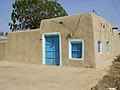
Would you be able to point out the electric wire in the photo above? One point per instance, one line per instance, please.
(77, 24)
(116, 7)
(66, 26)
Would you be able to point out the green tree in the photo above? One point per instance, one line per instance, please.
(27, 14)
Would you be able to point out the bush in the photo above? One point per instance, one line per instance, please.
(117, 59)
(112, 79)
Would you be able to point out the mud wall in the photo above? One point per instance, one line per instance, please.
(2, 50)
(24, 46)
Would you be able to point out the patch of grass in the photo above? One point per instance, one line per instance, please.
(112, 79)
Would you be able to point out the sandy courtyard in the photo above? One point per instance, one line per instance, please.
(20, 76)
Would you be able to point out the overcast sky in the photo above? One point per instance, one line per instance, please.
(104, 8)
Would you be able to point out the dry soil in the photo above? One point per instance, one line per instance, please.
(21, 76)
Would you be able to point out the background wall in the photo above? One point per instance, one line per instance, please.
(2, 50)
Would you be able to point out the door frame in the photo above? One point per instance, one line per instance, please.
(44, 46)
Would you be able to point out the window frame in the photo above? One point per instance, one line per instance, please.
(100, 46)
(70, 48)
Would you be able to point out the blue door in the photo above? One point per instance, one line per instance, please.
(52, 50)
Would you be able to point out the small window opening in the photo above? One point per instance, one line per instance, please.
(99, 47)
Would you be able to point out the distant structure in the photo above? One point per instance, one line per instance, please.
(1, 33)
(2, 36)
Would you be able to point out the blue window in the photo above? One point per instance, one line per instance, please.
(107, 46)
(99, 46)
(76, 49)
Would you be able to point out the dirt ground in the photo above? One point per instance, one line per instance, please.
(21, 76)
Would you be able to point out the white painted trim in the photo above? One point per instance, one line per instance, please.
(76, 40)
(43, 46)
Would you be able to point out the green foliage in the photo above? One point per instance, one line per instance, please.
(27, 14)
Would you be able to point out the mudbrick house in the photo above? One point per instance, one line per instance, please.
(84, 40)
